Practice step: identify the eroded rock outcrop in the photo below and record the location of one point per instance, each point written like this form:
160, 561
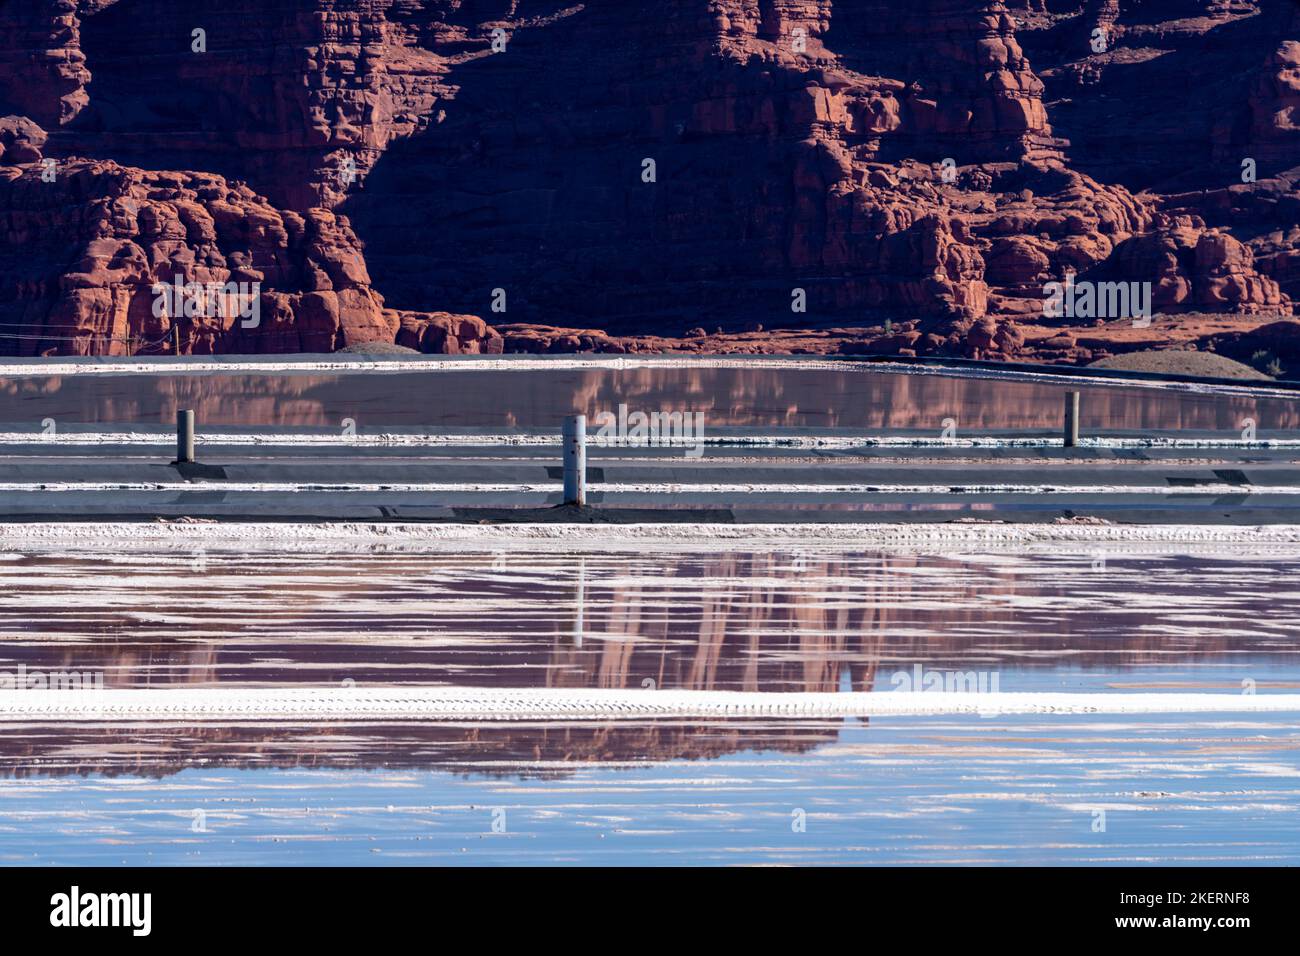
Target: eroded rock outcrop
440, 333
91, 254
42, 68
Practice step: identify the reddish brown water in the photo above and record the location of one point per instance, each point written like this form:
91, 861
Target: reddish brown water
848, 398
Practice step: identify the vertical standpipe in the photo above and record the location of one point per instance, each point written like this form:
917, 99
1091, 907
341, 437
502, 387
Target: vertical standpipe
184, 435
1071, 419
575, 460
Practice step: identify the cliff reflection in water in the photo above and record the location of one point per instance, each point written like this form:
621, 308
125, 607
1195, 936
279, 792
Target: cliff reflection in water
848, 398
721, 620
515, 749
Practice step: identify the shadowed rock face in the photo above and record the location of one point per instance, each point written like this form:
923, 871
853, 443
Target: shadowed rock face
918, 170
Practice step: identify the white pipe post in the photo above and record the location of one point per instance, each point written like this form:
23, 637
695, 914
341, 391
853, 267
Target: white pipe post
575, 460
1071, 419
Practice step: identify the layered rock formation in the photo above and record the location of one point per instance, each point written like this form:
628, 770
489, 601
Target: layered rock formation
124, 236
616, 175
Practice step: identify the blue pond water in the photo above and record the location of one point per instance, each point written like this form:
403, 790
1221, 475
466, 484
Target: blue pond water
1092, 789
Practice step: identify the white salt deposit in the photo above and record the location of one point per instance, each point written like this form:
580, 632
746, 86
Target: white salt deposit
186, 705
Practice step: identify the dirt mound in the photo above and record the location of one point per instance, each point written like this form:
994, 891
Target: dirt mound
377, 348
1182, 362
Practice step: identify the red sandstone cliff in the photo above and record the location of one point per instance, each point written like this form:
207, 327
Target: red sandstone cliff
911, 173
